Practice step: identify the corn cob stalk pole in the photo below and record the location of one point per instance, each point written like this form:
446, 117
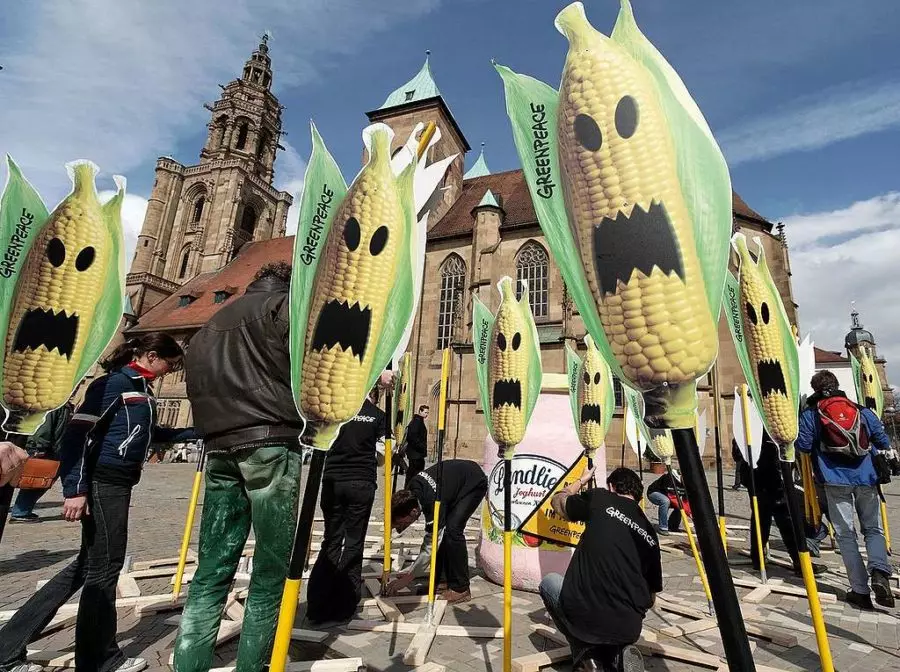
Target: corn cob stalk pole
812, 591
720, 477
745, 414
507, 558
291, 595
442, 415
884, 520
727, 608
189, 523
640, 452
388, 491
701, 571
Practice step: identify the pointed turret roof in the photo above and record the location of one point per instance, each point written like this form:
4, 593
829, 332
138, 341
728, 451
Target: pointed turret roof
420, 87
488, 200
479, 168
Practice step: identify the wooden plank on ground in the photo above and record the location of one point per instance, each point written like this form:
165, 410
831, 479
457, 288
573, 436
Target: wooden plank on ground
680, 630
535, 661
757, 595
127, 586
394, 627
430, 667
777, 586
388, 609
302, 635
157, 604
228, 630
334, 665
677, 653
418, 649
161, 562
52, 658
473, 631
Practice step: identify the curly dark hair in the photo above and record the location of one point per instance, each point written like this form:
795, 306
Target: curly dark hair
275, 269
624, 481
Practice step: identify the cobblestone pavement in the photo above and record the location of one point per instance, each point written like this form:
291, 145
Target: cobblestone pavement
859, 641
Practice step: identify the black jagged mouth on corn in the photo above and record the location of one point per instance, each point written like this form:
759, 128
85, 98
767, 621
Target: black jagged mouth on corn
871, 404
400, 417
771, 377
635, 242
344, 325
507, 392
54, 330
590, 413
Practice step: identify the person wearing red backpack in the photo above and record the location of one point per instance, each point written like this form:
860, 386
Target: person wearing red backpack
840, 435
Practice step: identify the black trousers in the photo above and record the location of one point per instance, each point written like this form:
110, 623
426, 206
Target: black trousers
415, 466
335, 580
773, 505
453, 555
104, 537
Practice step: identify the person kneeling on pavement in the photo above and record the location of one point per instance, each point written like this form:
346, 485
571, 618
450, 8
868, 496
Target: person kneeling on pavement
462, 485
840, 435
662, 493
613, 577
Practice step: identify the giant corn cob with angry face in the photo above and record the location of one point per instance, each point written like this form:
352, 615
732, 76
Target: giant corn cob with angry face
634, 197
67, 298
354, 286
591, 391
508, 364
764, 342
868, 383
402, 399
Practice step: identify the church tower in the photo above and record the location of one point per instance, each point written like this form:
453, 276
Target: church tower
199, 216
419, 100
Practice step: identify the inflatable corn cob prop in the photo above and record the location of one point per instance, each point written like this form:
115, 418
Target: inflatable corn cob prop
867, 381
634, 198
402, 408
591, 395
61, 291
765, 344
507, 364
358, 260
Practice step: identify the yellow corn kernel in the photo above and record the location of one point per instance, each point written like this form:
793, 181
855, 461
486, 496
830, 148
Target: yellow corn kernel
508, 359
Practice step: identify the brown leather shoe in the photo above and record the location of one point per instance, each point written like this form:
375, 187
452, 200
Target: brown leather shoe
453, 597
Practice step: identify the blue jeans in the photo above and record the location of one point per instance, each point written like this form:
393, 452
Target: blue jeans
843, 500
25, 501
664, 505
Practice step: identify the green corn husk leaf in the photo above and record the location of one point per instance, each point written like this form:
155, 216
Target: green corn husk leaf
108, 316
322, 182
524, 94
702, 170
22, 217
574, 364
482, 326
535, 368
735, 317
635, 403
856, 367
399, 312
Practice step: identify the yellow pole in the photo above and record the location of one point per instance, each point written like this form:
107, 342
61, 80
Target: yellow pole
745, 414
884, 520
815, 609
189, 524
442, 413
388, 471
507, 599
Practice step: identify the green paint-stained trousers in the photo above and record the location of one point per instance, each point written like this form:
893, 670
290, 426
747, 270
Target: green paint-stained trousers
256, 486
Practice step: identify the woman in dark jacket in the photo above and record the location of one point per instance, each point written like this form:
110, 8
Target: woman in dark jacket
102, 454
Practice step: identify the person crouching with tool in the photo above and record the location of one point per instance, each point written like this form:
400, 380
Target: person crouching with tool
613, 577
462, 485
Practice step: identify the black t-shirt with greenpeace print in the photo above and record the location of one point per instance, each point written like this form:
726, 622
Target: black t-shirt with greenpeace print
352, 456
614, 571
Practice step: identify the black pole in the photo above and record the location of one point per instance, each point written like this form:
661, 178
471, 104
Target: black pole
640, 452
590, 465
731, 621
307, 513
623, 454
720, 477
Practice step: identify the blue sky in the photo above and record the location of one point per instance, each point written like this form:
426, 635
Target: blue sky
804, 97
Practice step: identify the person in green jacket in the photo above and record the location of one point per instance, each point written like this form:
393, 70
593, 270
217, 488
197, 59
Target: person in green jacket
46, 442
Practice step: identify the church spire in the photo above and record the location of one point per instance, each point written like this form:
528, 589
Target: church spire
420, 87
258, 68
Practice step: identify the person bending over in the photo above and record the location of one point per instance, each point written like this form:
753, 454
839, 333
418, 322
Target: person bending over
613, 577
463, 486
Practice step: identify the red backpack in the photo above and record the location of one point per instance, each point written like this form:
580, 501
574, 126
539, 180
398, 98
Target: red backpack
843, 430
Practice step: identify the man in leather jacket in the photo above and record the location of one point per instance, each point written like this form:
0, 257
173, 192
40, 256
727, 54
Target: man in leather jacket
238, 382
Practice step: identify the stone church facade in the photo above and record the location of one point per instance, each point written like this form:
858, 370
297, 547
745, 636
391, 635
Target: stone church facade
209, 227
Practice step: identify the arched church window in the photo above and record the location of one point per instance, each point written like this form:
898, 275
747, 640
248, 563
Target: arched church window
262, 144
197, 210
248, 220
241, 141
453, 277
533, 266
185, 258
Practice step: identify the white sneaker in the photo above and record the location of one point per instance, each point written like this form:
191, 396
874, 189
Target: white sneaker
132, 665
26, 667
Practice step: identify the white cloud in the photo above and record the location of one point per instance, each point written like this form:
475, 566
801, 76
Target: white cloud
121, 82
134, 208
848, 255
812, 122
290, 169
